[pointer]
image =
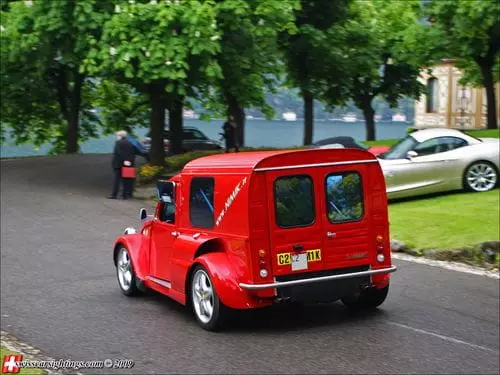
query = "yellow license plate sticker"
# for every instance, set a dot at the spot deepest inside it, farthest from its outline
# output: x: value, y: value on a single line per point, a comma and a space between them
x: 286, y: 258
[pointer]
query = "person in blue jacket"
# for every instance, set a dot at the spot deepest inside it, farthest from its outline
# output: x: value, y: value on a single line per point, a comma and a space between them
x: 138, y: 147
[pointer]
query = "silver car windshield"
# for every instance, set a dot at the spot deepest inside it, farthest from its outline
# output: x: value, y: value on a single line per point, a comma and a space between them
x: 400, y: 149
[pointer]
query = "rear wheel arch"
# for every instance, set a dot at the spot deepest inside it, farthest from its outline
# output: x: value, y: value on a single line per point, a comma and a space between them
x: 464, y: 173
x: 211, y: 246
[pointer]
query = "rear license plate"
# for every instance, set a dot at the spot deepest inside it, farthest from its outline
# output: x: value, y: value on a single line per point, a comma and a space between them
x: 299, y: 261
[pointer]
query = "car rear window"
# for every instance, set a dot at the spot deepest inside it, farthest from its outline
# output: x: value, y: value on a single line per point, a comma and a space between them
x: 201, y: 202
x: 344, y: 197
x: 294, y: 201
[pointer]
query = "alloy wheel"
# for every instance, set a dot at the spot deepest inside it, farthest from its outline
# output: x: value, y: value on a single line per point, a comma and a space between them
x: 203, y: 296
x: 481, y: 177
x: 124, y: 266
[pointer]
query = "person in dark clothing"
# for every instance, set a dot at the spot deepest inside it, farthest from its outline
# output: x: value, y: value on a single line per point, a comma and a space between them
x: 229, y: 134
x: 123, y: 156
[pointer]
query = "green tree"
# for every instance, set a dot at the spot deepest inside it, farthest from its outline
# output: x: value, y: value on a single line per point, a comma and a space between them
x: 43, y: 46
x: 374, y: 56
x: 306, y: 49
x: 469, y: 31
x: 249, y: 54
x: 162, y: 49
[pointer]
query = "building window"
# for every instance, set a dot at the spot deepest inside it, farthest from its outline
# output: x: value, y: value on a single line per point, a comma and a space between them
x: 294, y: 201
x: 344, y: 197
x: 201, y: 202
x: 432, y: 95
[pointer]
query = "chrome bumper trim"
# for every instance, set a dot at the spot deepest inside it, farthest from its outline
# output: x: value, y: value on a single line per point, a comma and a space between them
x: 281, y: 284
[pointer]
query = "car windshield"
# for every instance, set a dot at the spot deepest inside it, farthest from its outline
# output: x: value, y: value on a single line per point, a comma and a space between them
x: 400, y: 149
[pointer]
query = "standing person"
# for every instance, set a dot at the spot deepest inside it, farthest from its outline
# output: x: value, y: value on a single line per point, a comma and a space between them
x: 123, y: 156
x: 229, y: 134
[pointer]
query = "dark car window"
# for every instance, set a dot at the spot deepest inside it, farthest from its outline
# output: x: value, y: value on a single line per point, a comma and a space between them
x: 440, y: 144
x: 201, y: 202
x: 193, y: 134
x: 344, y: 197
x: 429, y: 147
x: 294, y: 201
x: 451, y: 143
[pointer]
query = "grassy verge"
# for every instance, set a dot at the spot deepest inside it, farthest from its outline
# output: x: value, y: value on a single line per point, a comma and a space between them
x: 484, y: 133
x: 4, y: 351
x: 452, y: 224
x: 382, y: 142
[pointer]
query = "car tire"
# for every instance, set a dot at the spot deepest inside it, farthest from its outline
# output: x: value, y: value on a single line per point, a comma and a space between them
x: 125, y: 273
x: 209, y: 311
x: 480, y: 176
x: 366, y: 299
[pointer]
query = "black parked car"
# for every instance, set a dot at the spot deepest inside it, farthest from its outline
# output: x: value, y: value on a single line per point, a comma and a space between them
x: 193, y: 140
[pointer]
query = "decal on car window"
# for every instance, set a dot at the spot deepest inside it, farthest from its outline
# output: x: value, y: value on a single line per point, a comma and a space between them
x: 230, y: 200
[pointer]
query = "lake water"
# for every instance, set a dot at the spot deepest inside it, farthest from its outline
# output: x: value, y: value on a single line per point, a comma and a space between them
x: 258, y: 133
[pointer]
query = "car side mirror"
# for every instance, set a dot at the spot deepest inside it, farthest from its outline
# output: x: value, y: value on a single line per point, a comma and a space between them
x: 165, y: 189
x: 143, y: 214
x: 411, y: 154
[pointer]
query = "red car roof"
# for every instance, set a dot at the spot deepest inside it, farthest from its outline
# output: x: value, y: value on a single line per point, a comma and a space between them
x: 241, y: 162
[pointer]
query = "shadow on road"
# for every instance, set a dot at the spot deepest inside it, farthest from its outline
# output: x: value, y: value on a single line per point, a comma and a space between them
x: 273, y: 319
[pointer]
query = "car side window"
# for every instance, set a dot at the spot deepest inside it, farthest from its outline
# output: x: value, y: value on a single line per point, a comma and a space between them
x: 440, y: 144
x: 193, y: 134
x: 201, y: 202
x: 428, y: 147
x: 167, y: 214
x: 452, y: 143
x: 188, y: 134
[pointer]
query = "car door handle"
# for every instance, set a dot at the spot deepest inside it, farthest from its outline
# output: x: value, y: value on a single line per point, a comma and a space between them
x: 331, y: 234
x: 175, y: 234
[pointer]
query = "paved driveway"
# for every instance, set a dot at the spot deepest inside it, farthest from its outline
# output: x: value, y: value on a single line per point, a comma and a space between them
x: 59, y: 293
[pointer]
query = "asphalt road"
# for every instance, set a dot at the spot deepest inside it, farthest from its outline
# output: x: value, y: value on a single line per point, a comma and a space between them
x: 59, y: 292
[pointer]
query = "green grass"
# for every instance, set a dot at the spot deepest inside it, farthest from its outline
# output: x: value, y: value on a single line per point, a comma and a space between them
x: 4, y: 351
x: 449, y: 221
x: 382, y: 142
x: 484, y: 133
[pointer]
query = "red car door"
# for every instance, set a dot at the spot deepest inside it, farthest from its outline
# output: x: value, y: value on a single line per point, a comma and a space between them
x: 163, y: 236
x: 345, y: 215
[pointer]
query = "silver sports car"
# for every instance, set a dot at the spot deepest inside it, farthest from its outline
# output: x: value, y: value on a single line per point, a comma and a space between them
x: 436, y: 160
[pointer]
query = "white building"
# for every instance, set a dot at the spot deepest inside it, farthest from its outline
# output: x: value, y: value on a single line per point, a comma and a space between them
x: 449, y: 104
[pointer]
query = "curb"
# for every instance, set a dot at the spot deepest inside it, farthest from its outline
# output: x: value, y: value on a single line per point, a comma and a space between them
x: 11, y: 342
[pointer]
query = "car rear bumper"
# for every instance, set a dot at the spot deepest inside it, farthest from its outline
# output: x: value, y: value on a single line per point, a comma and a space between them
x: 281, y: 284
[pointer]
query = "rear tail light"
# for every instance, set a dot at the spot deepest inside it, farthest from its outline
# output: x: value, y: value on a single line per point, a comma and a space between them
x: 379, y: 240
x: 262, y: 263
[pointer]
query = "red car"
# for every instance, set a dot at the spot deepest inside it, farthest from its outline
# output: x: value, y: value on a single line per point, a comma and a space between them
x: 247, y: 230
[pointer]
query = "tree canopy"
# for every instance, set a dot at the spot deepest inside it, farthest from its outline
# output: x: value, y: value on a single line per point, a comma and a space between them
x: 71, y: 70
x: 469, y: 32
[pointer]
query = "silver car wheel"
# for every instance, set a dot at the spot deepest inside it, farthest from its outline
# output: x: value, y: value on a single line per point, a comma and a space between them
x: 124, y: 266
x: 481, y: 177
x: 203, y: 296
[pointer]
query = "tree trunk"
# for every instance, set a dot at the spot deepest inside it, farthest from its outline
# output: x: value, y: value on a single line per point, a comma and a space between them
x: 74, y: 115
x: 176, y: 124
x: 157, y: 102
x: 308, y: 117
x: 238, y: 113
x: 369, y: 115
x: 489, y: 85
